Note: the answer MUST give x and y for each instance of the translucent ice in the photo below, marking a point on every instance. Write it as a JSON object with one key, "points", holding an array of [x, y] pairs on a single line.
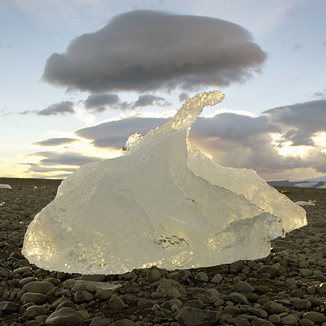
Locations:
{"points": [[163, 203]]}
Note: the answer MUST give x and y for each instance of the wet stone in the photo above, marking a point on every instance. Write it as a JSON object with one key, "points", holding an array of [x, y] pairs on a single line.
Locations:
{"points": [[201, 276], [197, 317], [261, 322], [8, 307], [244, 287], [83, 296], [314, 316], [115, 303], [123, 322], [238, 298], [173, 302], [65, 317], [241, 322], [154, 275], [26, 280], [300, 304], [273, 307], [275, 319], [99, 321], [93, 278], [306, 322], [36, 298], [42, 287], [289, 320], [171, 289], [34, 311]]}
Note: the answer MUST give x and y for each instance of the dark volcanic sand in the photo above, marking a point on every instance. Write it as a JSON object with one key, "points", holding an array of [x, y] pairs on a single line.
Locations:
{"points": [[286, 288]]}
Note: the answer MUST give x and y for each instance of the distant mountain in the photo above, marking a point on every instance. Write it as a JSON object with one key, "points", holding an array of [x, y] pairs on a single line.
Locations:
{"points": [[319, 183]]}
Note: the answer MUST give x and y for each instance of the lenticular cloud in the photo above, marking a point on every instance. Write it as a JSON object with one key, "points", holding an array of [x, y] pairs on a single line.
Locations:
{"points": [[162, 203]]}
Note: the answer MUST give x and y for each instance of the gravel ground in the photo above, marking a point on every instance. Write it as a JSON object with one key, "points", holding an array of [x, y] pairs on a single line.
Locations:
{"points": [[286, 288]]}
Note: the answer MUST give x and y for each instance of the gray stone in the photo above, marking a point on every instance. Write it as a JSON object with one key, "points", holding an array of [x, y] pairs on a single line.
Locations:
{"points": [[22, 270], [171, 289], [244, 287], [217, 278], [130, 299], [219, 302], [175, 276], [123, 322], [103, 294], [305, 272], [300, 304], [263, 288], [83, 296], [275, 319], [314, 316], [258, 312], [34, 311], [26, 280], [65, 317], [236, 266], [197, 317], [238, 298], [36, 298], [272, 271], [289, 320], [261, 322], [153, 275], [195, 303], [306, 322], [241, 321], [99, 321], [201, 276], [93, 277], [273, 307], [168, 304], [42, 287], [8, 307], [115, 303], [322, 262]]}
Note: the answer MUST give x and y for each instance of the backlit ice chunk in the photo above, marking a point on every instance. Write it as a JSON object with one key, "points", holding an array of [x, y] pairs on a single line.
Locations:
{"points": [[163, 203]]}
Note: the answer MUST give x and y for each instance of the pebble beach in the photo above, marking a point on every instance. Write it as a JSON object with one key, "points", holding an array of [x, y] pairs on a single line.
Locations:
{"points": [[288, 287]]}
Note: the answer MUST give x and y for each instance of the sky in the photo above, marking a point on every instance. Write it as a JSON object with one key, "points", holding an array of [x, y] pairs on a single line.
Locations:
{"points": [[77, 77]]}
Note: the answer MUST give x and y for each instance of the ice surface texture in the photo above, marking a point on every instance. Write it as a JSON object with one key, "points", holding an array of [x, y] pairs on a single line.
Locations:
{"points": [[163, 203]]}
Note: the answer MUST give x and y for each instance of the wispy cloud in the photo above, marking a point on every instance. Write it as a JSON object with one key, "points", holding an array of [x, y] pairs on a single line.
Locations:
{"points": [[56, 142], [64, 158], [58, 108], [100, 102], [62, 108]]}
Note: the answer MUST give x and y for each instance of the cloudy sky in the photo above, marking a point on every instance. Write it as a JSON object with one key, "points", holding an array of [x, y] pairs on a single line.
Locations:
{"points": [[79, 76]]}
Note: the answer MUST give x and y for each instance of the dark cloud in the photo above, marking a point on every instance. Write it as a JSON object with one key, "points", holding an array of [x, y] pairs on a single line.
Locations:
{"points": [[99, 102], [114, 134], [64, 158], [300, 121], [58, 108], [56, 142], [147, 50], [148, 100], [63, 108]]}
